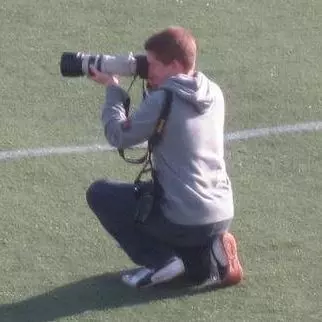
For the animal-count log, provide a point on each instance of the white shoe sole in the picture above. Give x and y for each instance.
(165, 274)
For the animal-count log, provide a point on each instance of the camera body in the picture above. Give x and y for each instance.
(145, 195)
(76, 64)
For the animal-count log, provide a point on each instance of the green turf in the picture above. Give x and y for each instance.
(56, 262)
(265, 56)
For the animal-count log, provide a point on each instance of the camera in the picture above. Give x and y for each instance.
(76, 64)
(145, 196)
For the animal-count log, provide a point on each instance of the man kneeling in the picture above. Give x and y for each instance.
(187, 231)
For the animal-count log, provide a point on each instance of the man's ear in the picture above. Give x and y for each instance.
(177, 66)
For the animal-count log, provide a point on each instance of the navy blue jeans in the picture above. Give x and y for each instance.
(156, 240)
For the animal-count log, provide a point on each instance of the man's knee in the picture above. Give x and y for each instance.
(94, 193)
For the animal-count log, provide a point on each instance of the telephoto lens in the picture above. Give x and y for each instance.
(77, 64)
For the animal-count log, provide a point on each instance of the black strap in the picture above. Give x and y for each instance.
(159, 128)
(156, 136)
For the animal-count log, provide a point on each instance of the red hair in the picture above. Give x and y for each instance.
(174, 43)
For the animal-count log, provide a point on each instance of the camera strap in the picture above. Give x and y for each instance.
(127, 105)
(153, 140)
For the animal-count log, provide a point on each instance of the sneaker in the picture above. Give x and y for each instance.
(145, 277)
(225, 252)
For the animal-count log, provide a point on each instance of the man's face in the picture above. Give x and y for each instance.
(159, 72)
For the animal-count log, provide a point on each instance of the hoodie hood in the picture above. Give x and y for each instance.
(198, 90)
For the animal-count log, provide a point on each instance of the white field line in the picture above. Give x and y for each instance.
(233, 136)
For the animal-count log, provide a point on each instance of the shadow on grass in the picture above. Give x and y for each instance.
(99, 292)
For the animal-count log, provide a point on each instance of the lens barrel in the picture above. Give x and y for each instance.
(76, 64)
(71, 65)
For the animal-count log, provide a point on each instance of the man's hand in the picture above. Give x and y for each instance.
(103, 78)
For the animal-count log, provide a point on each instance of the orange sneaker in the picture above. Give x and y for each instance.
(225, 251)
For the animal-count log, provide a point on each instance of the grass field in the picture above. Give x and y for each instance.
(56, 262)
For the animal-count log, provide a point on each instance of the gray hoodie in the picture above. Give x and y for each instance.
(189, 161)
